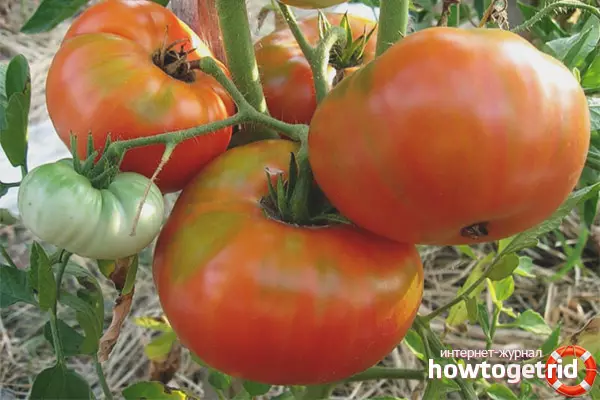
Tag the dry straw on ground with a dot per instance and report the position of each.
(24, 351)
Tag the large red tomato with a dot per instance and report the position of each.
(106, 78)
(286, 75)
(452, 137)
(272, 302)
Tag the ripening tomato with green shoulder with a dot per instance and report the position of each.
(452, 136)
(268, 301)
(62, 207)
(122, 70)
(312, 4)
(286, 74)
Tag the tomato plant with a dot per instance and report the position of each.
(122, 70)
(473, 151)
(61, 207)
(282, 288)
(294, 262)
(286, 74)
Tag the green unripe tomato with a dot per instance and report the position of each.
(61, 207)
(313, 4)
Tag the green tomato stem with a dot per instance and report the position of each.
(102, 378)
(58, 350)
(393, 23)
(241, 60)
(465, 294)
(317, 56)
(376, 373)
(428, 336)
(550, 9)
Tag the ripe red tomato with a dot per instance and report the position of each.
(272, 302)
(313, 4)
(103, 80)
(452, 136)
(285, 73)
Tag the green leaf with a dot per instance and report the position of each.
(160, 346)
(467, 250)
(6, 218)
(525, 267)
(17, 76)
(242, 395)
(50, 13)
(256, 388)
(472, 310)
(533, 322)
(525, 239)
(594, 107)
(70, 339)
(591, 77)
(413, 341)
(504, 267)
(163, 3)
(484, 319)
(219, 380)
(500, 392)
(42, 277)
(572, 51)
(154, 323)
(458, 313)
(60, 383)
(107, 267)
(131, 275)
(91, 292)
(504, 288)
(13, 136)
(86, 316)
(154, 391)
(551, 342)
(14, 287)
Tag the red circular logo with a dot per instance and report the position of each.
(590, 367)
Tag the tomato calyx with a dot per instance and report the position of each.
(100, 174)
(174, 62)
(298, 200)
(345, 56)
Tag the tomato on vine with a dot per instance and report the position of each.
(452, 136)
(286, 75)
(264, 300)
(61, 207)
(123, 70)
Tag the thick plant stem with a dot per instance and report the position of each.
(239, 49)
(375, 373)
(102, 378)
(317, 392)
(393, 23)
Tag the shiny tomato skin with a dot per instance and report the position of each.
(285, 73)
(271, 302)
(313, 4)
(102, 80)
(449, 135)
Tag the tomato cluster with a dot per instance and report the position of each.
(451, 136)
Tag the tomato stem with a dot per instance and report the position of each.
(241, 60)
(58, 349)
(102, 378)
(550, 9)
(317, 56)
(376, 373)
(393, 23)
